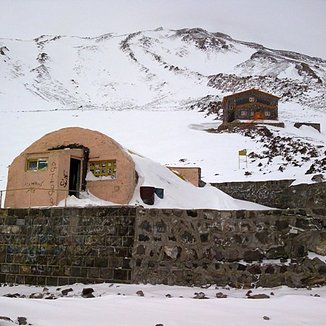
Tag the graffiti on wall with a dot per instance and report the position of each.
(52, 173)
(33, 185)
(64, 180)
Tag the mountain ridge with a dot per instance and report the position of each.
(154, 69)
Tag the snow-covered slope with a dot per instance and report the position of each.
(119, 304)
(159, 69)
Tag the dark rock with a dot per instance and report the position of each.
(252, 255)
(187, 237)
(192, 213)
(204, 237)
(51, 297)
(259, 296)
(172, 252)
(281, 225)
(143, 237)
(314, 280)
(37, 295)
(87, 290)
(88, 293)
(248, 293)
(318, 178)
(241, 267)
(262, 236)
(221, 295)
(159, 325)
(276, 252)
(266, 318)
(12, 295)
(140, 250)
(200, 295)
(5, 318)
(168, 295)
(22, 320)
(302, 223)
(147, 226)
(269, 269)
(140, 293)
(66, 291)
(254, 269)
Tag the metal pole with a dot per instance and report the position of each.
(1, 199)
(66, 198)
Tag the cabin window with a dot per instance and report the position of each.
(251, 99)
(243, 113)
(103, 168)
(241, 101)
(39, 164)
(267, 113)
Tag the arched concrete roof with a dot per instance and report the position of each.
(59, 147)
(97, 142)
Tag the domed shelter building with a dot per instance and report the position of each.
(66, 162)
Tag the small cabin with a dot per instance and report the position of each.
(64, 163)
(191, 174)
(250, 105)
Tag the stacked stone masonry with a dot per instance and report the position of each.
(239, 248)
(277, 193)
(135, 245)
(63, 246)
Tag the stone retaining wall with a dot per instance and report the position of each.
(239, 248)
(62, 246)
(277, 193)
(123, 244)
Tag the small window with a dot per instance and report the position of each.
(103, 168)
(40, 164)
(243, 113)
(251, 99)
(267, 113)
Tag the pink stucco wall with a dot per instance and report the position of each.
(191, 174)
(49, 187)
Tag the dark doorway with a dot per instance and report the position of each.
(74, 177)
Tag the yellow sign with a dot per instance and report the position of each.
(243, 152)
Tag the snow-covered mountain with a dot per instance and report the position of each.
(152, 92)
(158, 69)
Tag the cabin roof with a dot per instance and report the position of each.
(249, 90)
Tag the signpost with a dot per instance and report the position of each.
(243, 152)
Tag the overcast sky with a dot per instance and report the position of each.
(298, 25)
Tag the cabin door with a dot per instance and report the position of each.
(258, 115)
(74, 177)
